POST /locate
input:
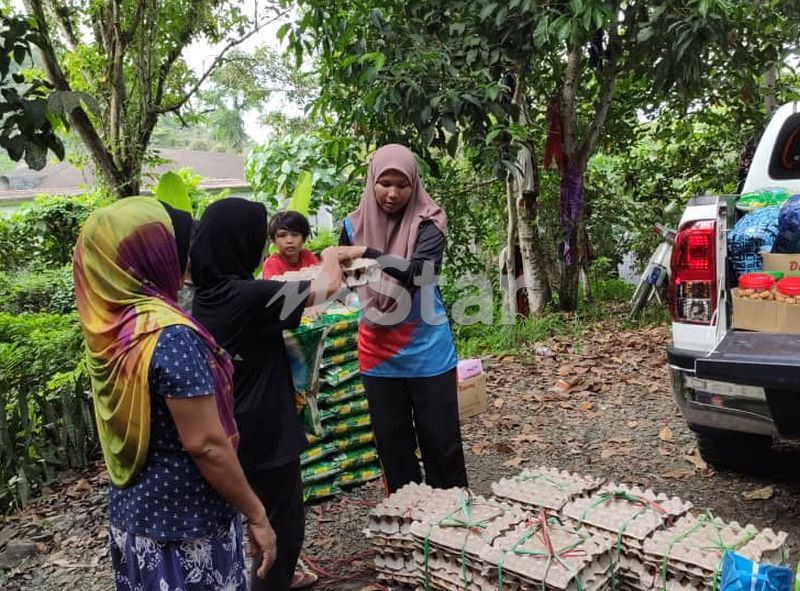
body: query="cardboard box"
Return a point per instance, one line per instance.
(472, 399)
(765, 315)
(785, 263)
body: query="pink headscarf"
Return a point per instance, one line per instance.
(393, 234)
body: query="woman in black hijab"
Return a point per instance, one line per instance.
(247, 316)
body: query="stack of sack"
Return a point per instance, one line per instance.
(341, 450)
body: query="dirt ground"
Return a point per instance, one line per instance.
(600, 405)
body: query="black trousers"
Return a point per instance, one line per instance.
(281, 491)
(410, 411)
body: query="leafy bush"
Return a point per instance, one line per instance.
(42, 234)
(46, 420)
(50, 290)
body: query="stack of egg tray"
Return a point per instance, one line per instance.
(628, 516)
(544, 488)
(689, 554)
(449, 551)
(390, 523)
(544, 553)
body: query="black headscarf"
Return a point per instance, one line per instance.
(227, 248)
(182, 224)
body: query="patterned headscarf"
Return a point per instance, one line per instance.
(127, 276)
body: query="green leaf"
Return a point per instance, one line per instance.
(301, 197)
(19, 54)
(172, 190)
(35, 156)
(282, 30)
(487, 10)
(645, 34)
(15, 147)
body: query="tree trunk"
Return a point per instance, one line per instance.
(537, 286)
(508, 267)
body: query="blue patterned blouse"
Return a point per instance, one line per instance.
(169, 499)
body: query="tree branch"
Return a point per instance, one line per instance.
(101, 156)
(65, 24)
(127, 36)
(608, 84)
(218, 61)
(569, 102)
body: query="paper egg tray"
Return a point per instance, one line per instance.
(583, 558)
(695, 545)
(469, 534)
(636, 520)
(634, 575)
(544, 488)
(359, 272)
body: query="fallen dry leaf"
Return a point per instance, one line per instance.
(760, 494)
(665, 434)
(633, 424)
(664, 452)
(587, 405)
(504, 448)
(693, 457)
(498, 404)
(610, 452)
(513, 462)
(678, 474)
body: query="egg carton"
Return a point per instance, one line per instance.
(356, 274)
(635, 575)
(469, 528)
(583, 560)
(695, 545)
(630, 513)
(544, 488)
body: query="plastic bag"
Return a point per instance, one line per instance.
(347, 425)
(765, 198)
(357, 458)
(338, 359)
(317, 492)
(788, 240)
(742, 574)
(752, 234)
(338, 375)
(353, 440)
(316, 452)
(319, 471)
(343, 342)
(352, 390)
(346, 409)
(359, 476)
(304, 350)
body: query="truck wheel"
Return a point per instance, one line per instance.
(742, 452)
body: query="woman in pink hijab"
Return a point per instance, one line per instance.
(405, 348)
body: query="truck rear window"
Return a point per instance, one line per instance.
(785, 161)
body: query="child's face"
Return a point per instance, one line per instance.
(289, 243)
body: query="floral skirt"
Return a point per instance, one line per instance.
(214, 562)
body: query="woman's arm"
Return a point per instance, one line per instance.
(428, 250)
(201, 434)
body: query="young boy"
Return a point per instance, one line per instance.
(288, 230)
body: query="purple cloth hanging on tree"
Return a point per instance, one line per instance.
(571, 201)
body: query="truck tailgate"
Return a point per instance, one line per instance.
(769, 360)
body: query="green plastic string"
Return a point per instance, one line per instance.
(625, 496)
(718, 544)
(451, 521)
(550, 556)
(557, 485)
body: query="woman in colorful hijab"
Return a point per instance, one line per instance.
(162, 397)
(405, 347)
(247, 317)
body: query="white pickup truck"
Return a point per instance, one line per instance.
(739, 391)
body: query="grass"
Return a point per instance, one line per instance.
(609, 303)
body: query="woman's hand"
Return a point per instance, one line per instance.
(344, 254)
(262, 542)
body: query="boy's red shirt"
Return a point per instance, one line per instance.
(277, 265)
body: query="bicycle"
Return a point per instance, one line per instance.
(655, 273)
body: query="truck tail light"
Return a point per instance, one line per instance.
(693, 286)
